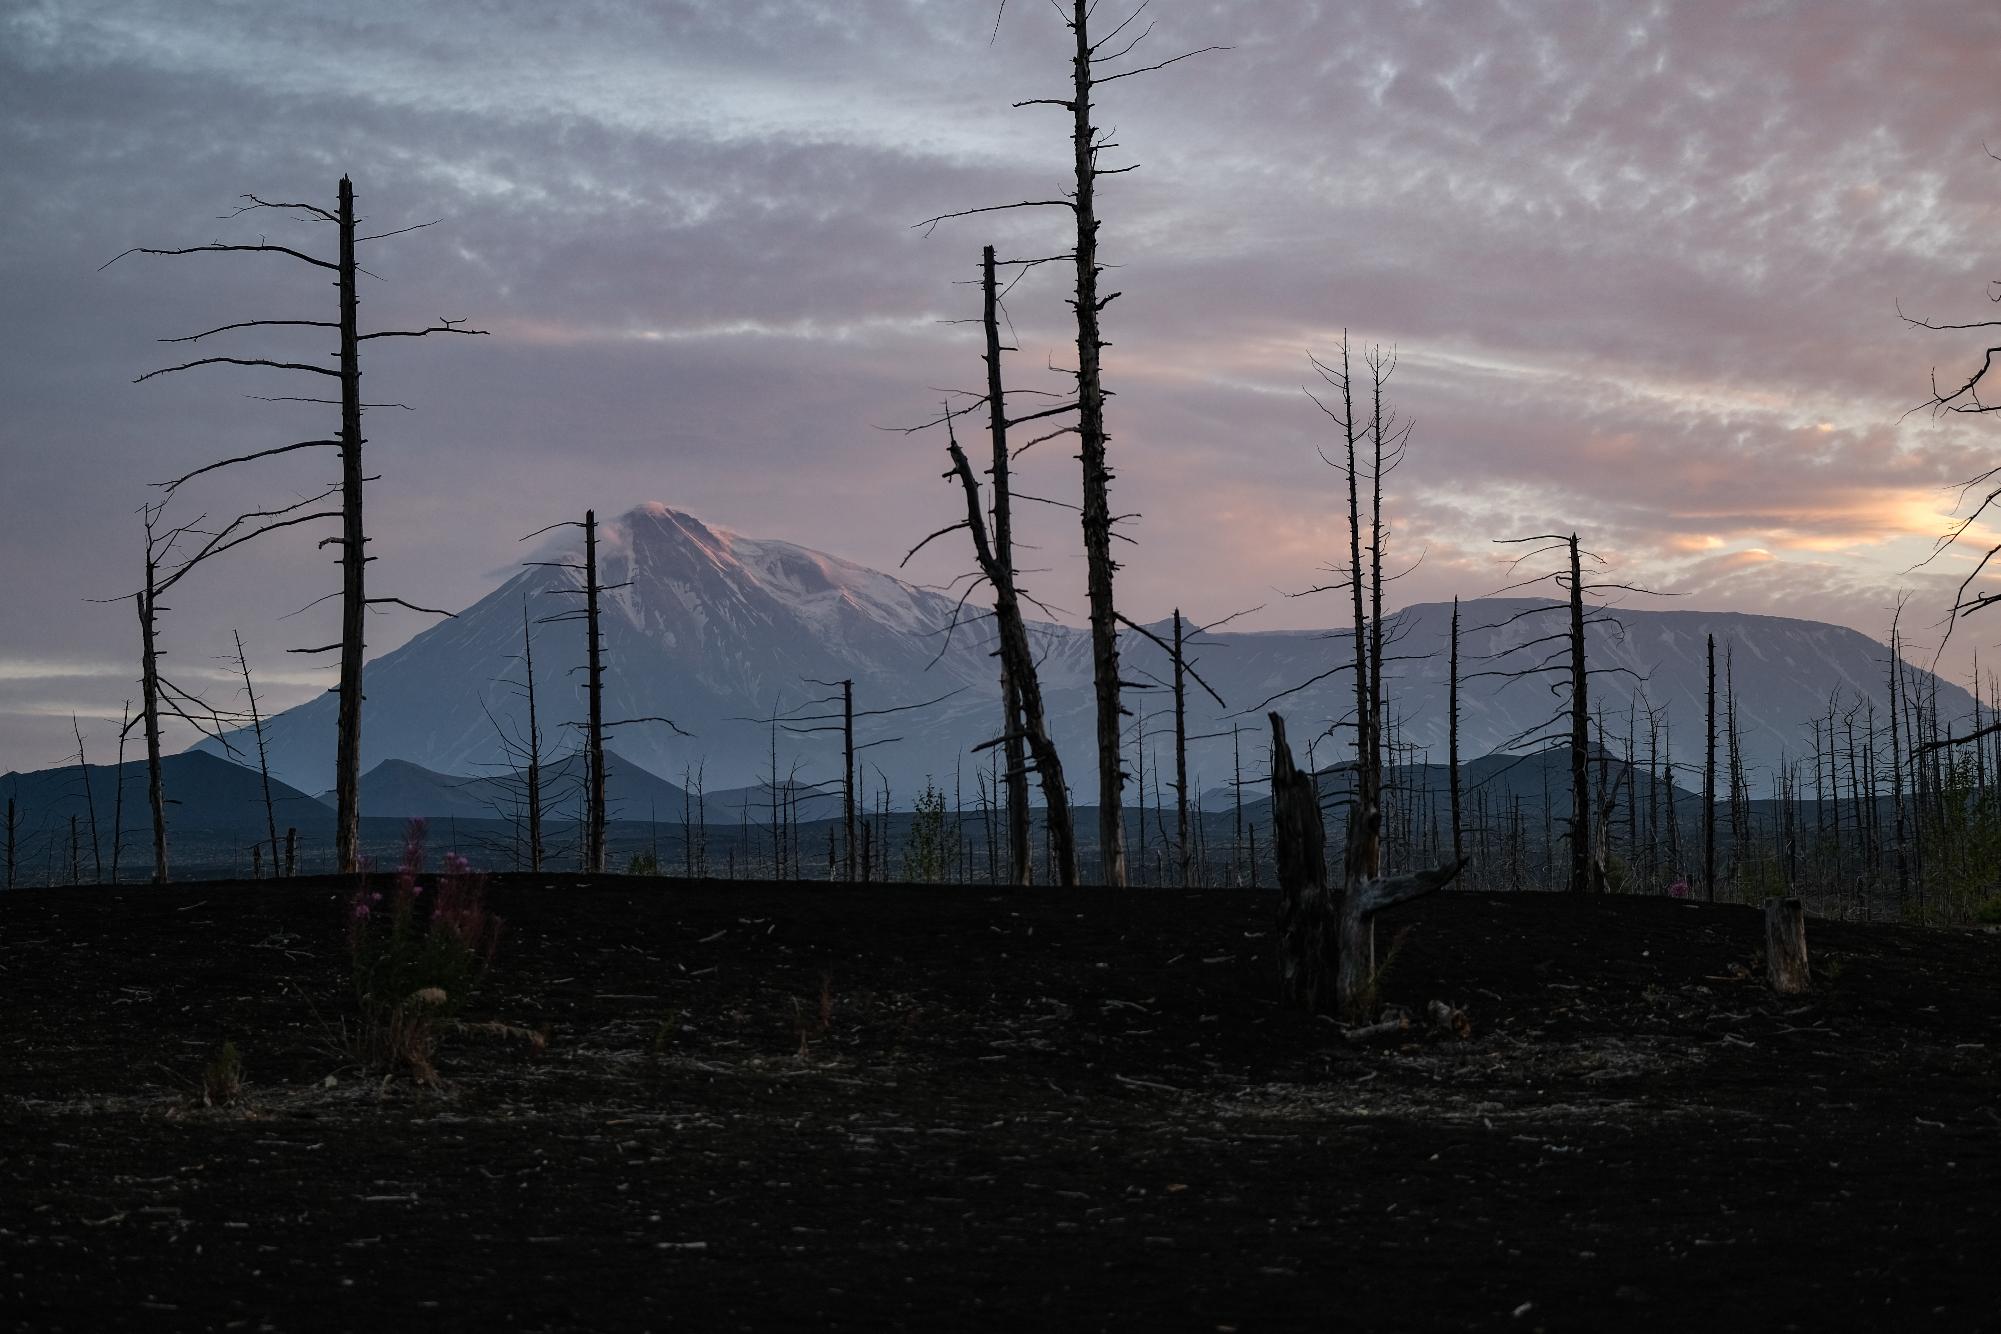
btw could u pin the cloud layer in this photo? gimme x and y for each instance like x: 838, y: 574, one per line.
x: 1641, y: 264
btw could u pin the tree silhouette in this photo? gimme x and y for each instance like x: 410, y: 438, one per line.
x: 352, y: 541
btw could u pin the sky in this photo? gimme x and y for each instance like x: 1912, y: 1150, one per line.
x: 1641, y: 264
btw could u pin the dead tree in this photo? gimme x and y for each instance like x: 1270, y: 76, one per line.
x: 1786, y: 964
x: 1969, y: 395
x: 1580, y: 712
x: 594, y: 687
x: 1569, y: 728
x: 1897, y: 759
x: 1021, y: 862
x: 1025, y: 723
x: 1709, y: 782
x: 594, y: 770
x: 89, y: 801
x: 263, y: 756
x: 848, y: 772
x: 162, y: 570
x: 149, y: 711
x: 1385, y: 438
x: 596, y: 727
x: 841, y: 720
x: 1018, y: 661
x: 1182, y: 671
x: 352, y: 541
x: 1090, y: 62
x: 118, y: 794
x: 1452, y: 736
x: 533, y: 741
x: 1327, y: 948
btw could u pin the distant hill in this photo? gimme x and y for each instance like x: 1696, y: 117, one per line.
x: 404, y: 790
x: 716, y: 629
x: 209, y: 801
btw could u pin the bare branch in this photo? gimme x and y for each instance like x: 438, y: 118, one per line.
x: 218, y: 247
x: 250, y: 324
x: 168, y: 487
x: 399, y: 602
x: 239, y: 361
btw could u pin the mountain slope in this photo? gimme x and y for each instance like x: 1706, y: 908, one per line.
x: 405, y: 790
x: 718, y: 631
x: 208, y: 799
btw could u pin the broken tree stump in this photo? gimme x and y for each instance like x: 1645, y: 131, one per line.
x: 1304, y: 917
x: 1307, y: 914
x: 1785, y: 947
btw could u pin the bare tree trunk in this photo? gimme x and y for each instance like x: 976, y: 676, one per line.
x: 1306, y: 920
x: 353, y: 559
x: 118, y: 794
x: 534, y: 750
x: 1307, y: 917
x: 149, y: 707
x: 89, y: 801
x: 1237, y: 787
x: 1580, y: 736
x: 1020, y: 664
x: 848, y: 764
x: 1452, y: 738
x: 1377, y: 374
x: 1740, y: 792
x: 1897, y: 767
x: 1709, y: 784
x: 595, y: 688
x: 1020, y: 860
x: 1097, y: 512
x: 1785, y: 947
x: 263, y: 757
x: 1181, y: 757
x: 13, y: 829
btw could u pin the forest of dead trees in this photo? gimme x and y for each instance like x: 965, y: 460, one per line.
x: 1886, y: 809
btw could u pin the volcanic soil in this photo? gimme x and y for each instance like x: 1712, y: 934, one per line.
x: 804, y: 1106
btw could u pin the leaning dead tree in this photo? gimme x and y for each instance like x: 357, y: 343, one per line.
x: 89, y: 801
x: 1024, y: 728
x: 352, y: 541
x: 263, y: 755
x: 533, y: 742
x: 520, y: 792
x: 1093, y: 64
x: 1021, y: 861
x: 1017, y: 659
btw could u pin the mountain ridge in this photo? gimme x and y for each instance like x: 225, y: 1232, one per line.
x: 721, y: 632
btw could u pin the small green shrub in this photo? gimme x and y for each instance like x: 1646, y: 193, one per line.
x: 642, y: 863
x: 932, y: 849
